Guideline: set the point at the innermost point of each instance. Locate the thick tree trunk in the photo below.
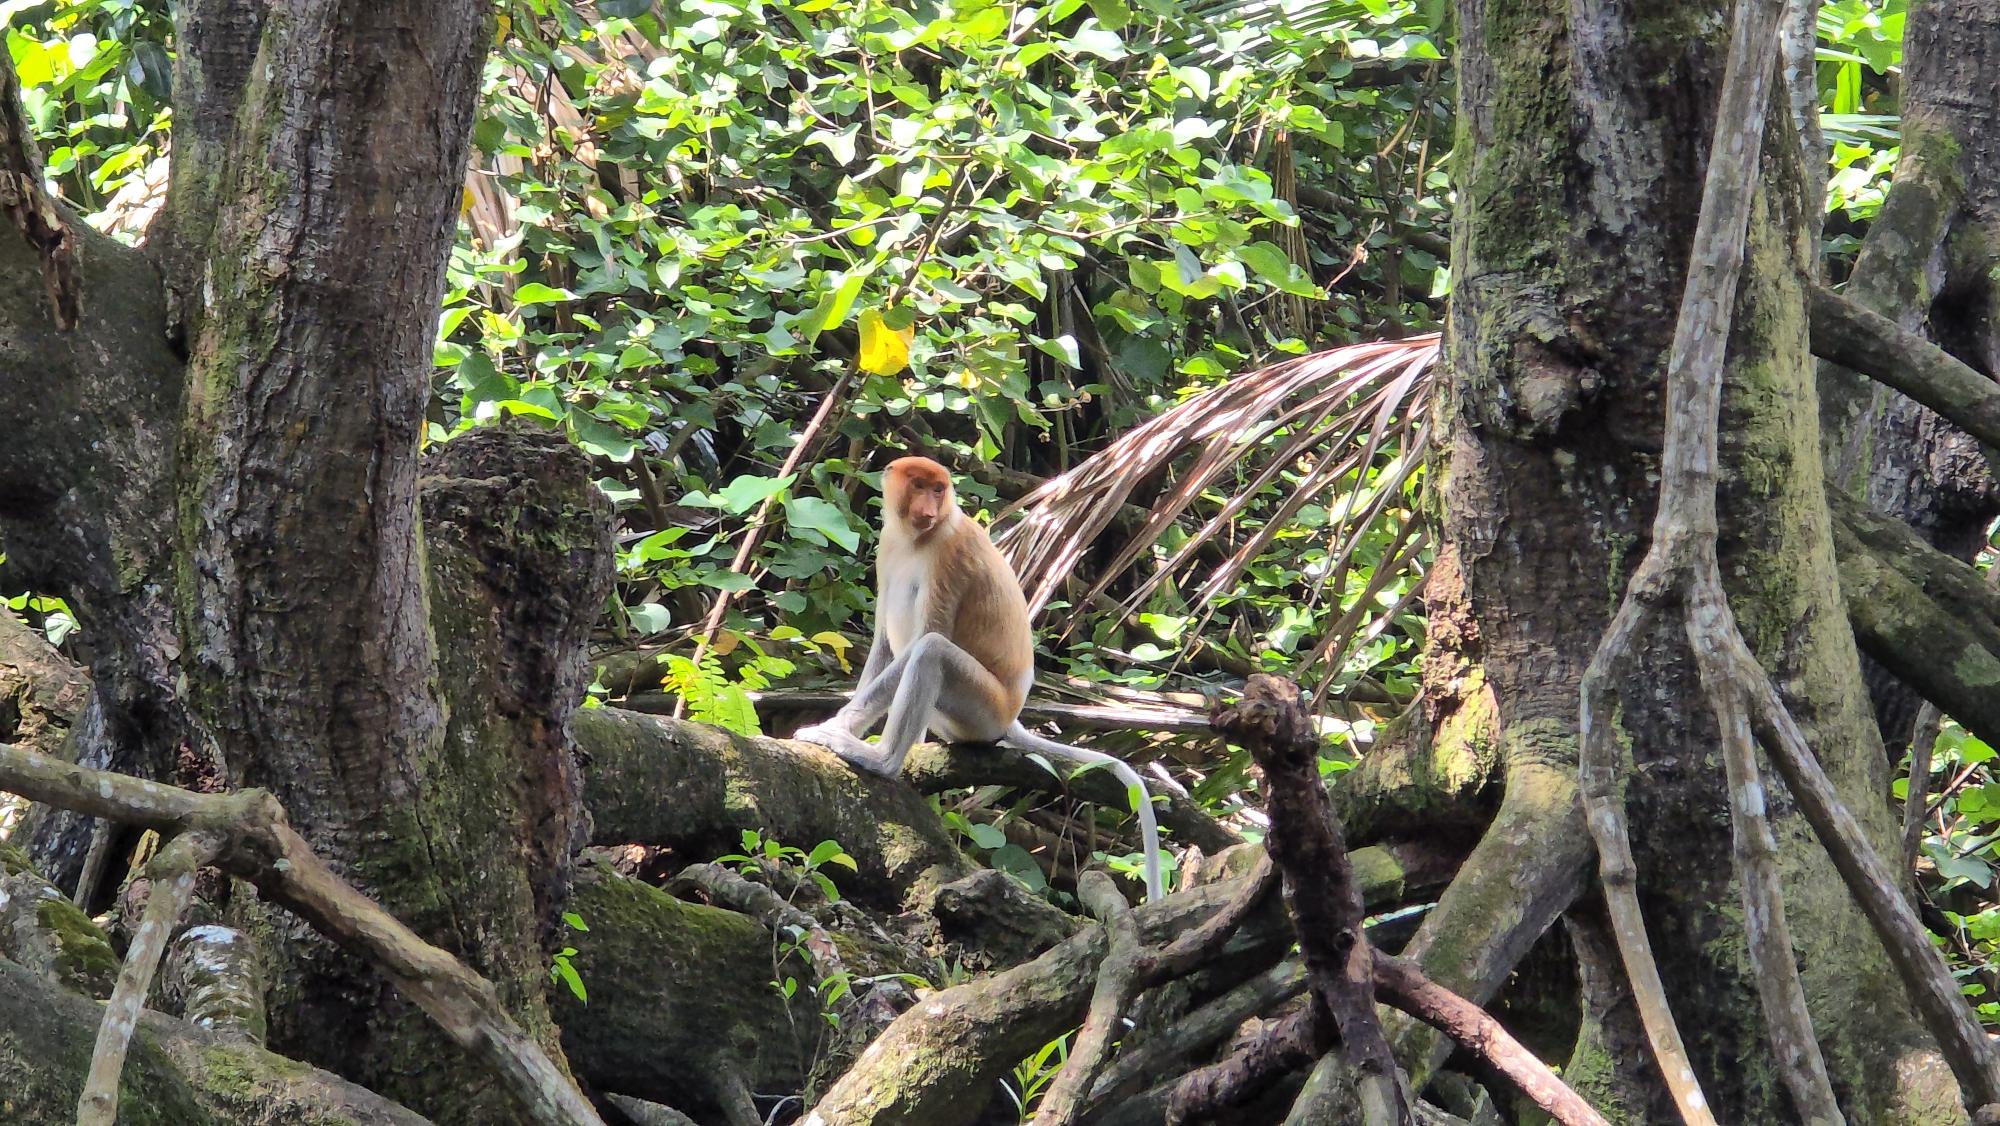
(1927, 263)
(1584, 134)
(330, 145)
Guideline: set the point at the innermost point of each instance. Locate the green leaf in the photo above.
(1093, 39)
(748, 491)
(649, 617)
(830, 852)
(986, 836)
(561, 970)
(832, 311)
(535, 293)
(1062, 348)
(814, 514)
(1016, 862)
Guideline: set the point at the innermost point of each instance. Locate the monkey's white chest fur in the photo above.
(901, 593)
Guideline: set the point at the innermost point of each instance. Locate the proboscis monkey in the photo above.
(952, 650)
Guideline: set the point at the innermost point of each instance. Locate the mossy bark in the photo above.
(679, 995)
(1928, 263)
(1583, 134)
(175, 1074)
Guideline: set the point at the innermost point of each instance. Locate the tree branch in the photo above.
(260, 847)
(1862, 340)
(1928, 618)
(171, 876)
(1683, 558)
(1119, 978)
(1401, 984)
(1320, 889)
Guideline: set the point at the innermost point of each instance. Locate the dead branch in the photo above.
(1119, 978)
(259, 846)
(171, 877)
(1401, 984)
(1199, 1030)
(917, 1072)
(1683, 559)
(1320, 890)
(1284, 1046)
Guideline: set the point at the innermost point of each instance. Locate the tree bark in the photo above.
(1580, 190)
(1927, 264)
(176, 1073)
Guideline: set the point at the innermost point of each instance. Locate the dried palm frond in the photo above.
(1344, 428)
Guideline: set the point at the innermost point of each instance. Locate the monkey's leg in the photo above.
(934, 678)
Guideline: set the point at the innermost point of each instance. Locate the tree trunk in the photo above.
(1927, 264)
(1580, 182)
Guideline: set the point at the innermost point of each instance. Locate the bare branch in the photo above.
(1862, 340)
(262, 848)
(1119, 978)
(1306, 845)
(1401, 984)
(171, 873)
(1931, 988)
(1683, 559)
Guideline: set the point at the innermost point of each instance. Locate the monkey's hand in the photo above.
(835, 737)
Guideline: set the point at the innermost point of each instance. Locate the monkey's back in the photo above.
(980, 607)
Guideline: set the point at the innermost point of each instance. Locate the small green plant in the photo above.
(759, 850)
(714, 697)
(1031, 1076)
(561, 968)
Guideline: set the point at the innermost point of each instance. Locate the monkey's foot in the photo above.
(857, 751)
(837, 739)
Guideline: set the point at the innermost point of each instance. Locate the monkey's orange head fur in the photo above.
(917, 491)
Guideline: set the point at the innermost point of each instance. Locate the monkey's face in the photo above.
(918, 492)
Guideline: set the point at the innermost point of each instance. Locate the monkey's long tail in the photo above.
(1149, 829)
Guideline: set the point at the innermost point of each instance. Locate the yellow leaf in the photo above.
(884, 350)
(840, 645)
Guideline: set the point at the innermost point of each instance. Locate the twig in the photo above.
(261, 847)
(1119, 978)
(1916, 802)
(1402, 985)
(1306, 845)
(835, 396)
(171, 876)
